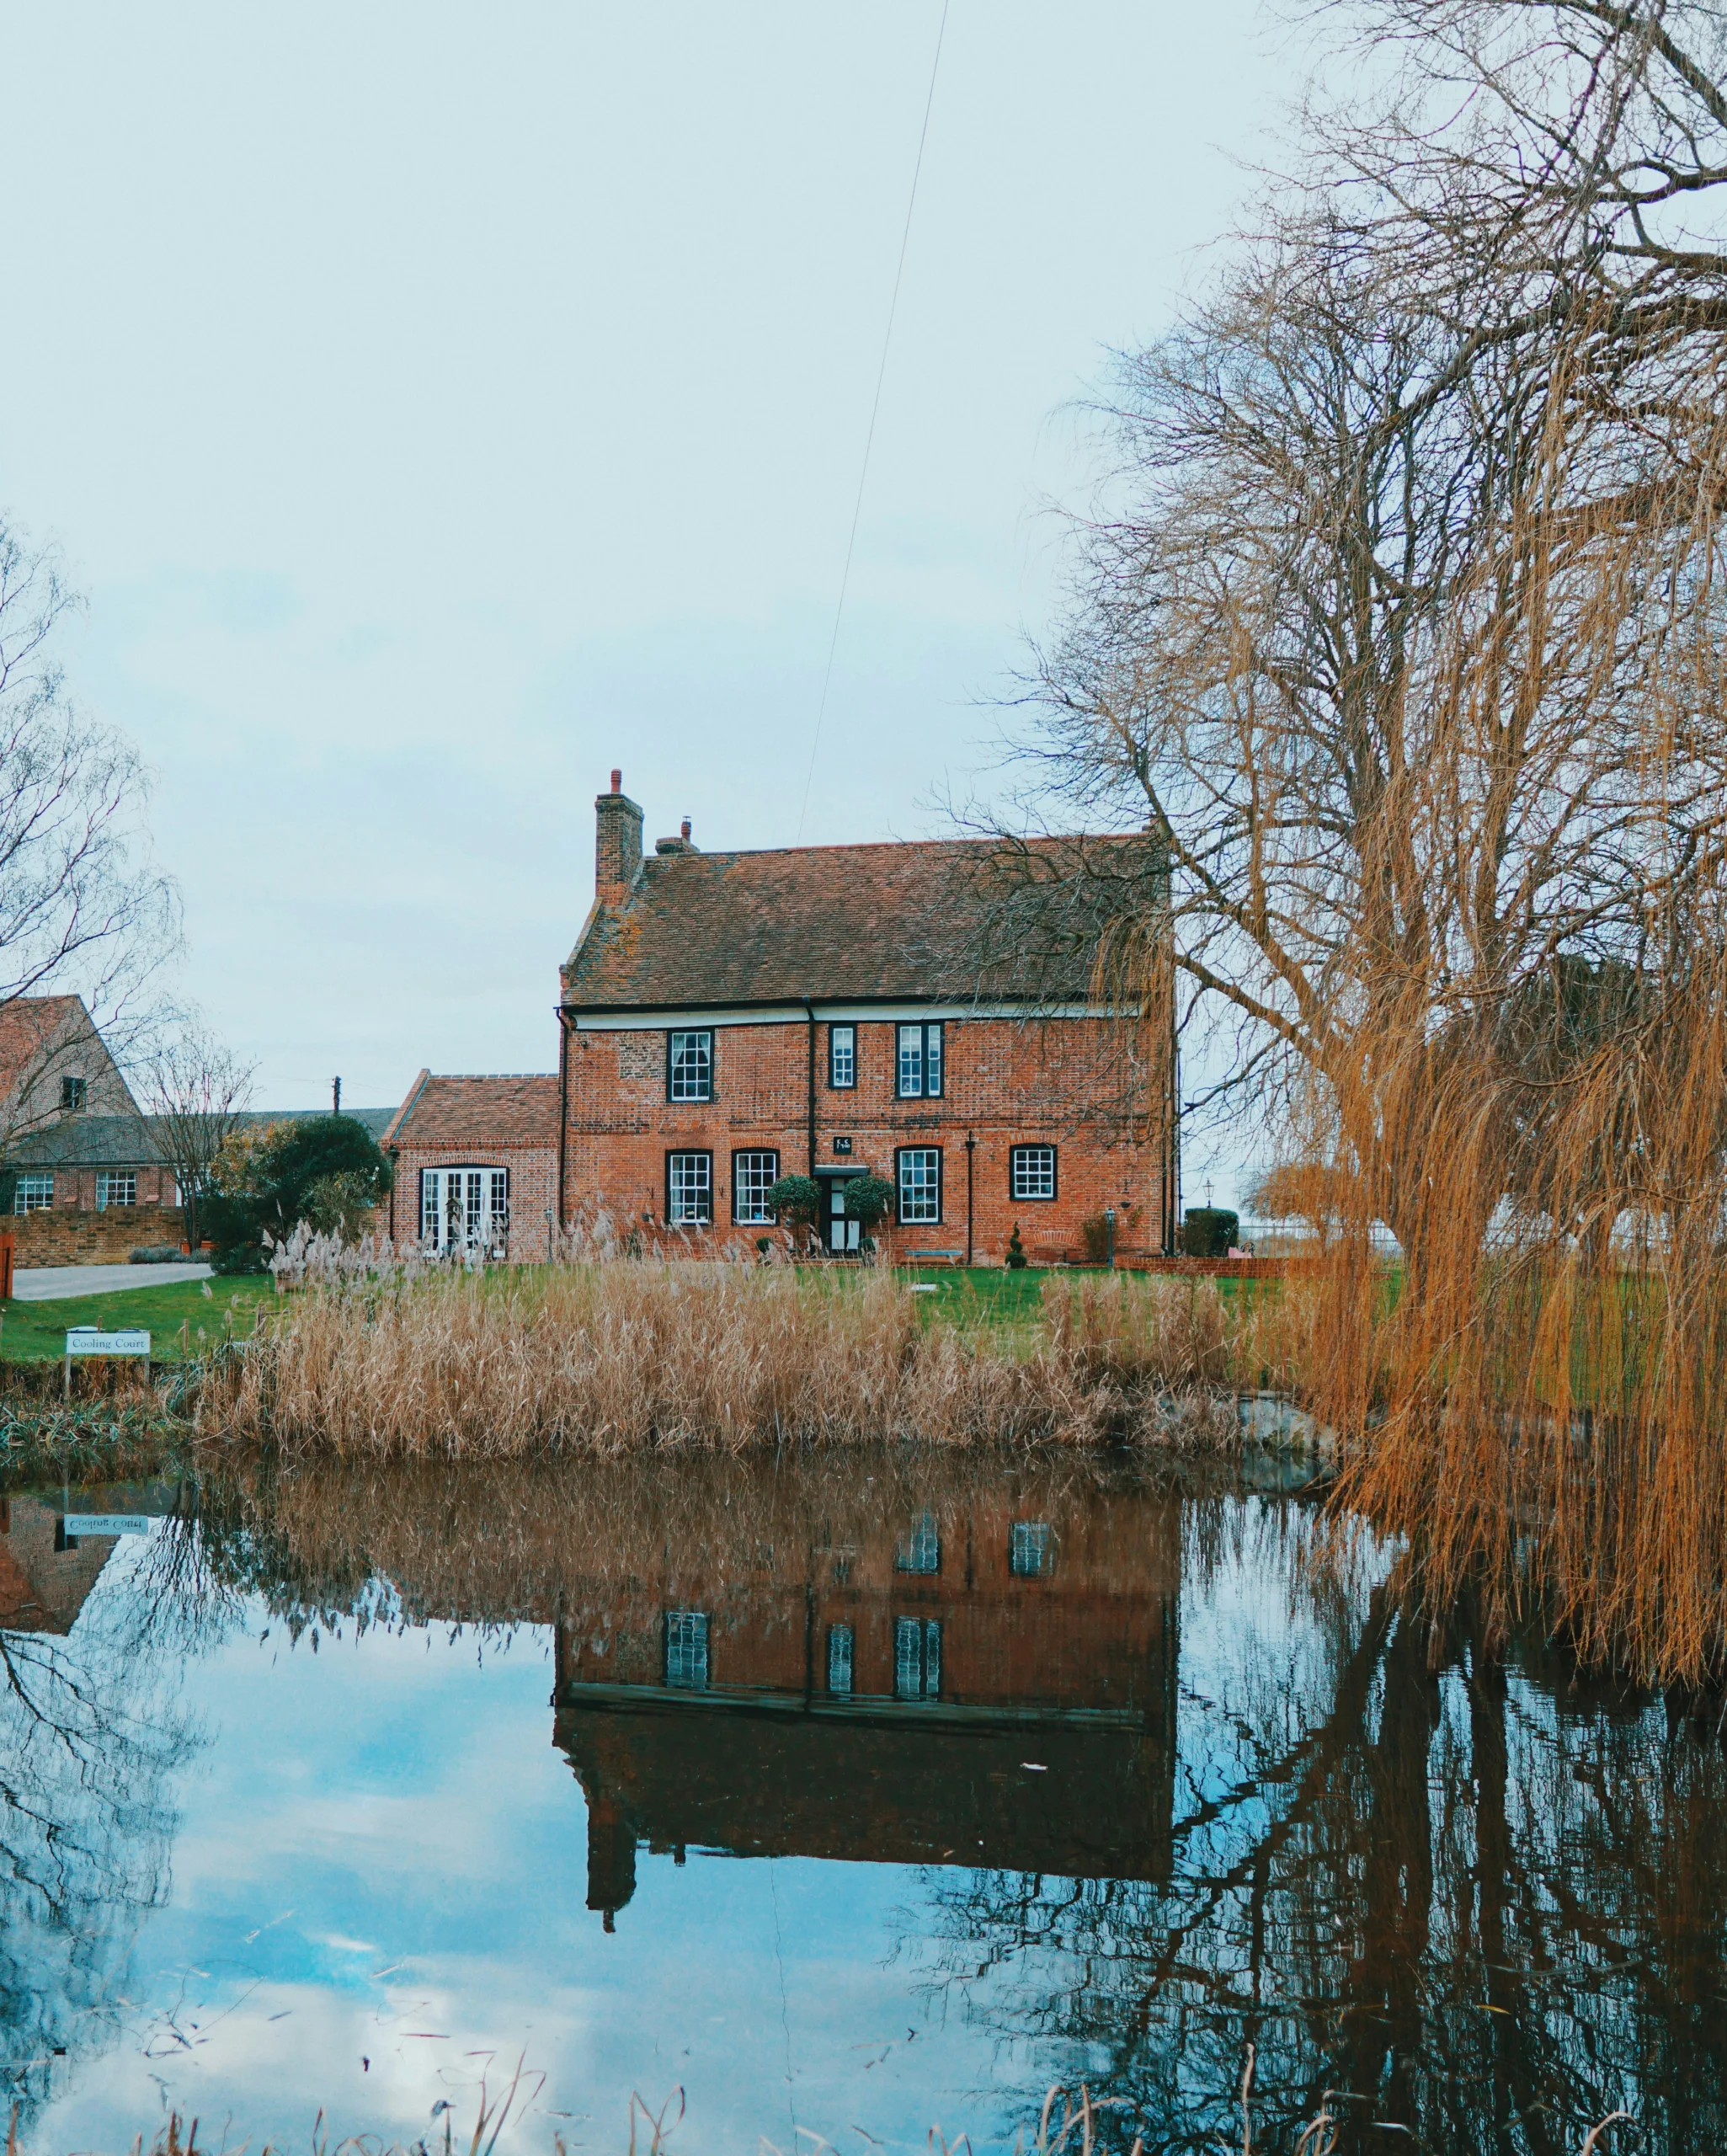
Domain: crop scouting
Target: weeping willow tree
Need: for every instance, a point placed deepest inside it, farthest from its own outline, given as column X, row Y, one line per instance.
column 1405, row 630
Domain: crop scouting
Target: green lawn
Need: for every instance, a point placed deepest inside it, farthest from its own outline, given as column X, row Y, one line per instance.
column 975, row 1295
column 989, row 1294
column 35, row 1332
column 981, row 1294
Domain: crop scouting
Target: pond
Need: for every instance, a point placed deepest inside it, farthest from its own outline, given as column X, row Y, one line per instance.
column 848, row 1799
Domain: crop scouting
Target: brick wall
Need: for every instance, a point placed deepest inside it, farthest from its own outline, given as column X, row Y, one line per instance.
column 1006, row 1083
column 64, row 1235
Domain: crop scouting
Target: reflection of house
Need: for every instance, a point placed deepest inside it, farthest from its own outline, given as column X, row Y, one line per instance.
column 984, row 1690
column 476, row 1163
column 45, row 1576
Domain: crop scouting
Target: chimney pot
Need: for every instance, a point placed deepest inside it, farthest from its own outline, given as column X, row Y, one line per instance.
column 685, row 830
column 617, row 782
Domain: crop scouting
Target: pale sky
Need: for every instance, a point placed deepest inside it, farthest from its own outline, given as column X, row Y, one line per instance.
column 440, row 405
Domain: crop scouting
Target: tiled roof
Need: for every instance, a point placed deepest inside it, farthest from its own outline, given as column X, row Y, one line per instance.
column 124, row 1141
column 919, row 921
column 86, row 1141
column 377, row 1120
column 513, row 1109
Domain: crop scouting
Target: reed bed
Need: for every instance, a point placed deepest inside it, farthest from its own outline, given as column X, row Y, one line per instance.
column 608, row 1358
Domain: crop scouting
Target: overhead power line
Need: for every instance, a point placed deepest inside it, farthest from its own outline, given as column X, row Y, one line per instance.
column 870, row 438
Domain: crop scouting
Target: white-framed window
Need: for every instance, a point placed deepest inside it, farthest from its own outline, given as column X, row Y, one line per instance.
column 753, row 1175
column 917, row 1658
column 72, row 1091
column 842, row 1057
column 842, row 1660
column 918, row 1068
column 689, row 1190
column 116, row 1186
column 1030, row 1548
column 918, row 1177
column 921, row 1549
column 686, row 1649
column 1032, row 1173
column 464, row 1209
column 33, row 1193
column 688, row 1066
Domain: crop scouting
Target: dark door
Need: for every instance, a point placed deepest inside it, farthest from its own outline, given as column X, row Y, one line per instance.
column 839, row 1234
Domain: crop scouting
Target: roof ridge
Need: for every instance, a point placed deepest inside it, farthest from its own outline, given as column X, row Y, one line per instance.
column 875, row 845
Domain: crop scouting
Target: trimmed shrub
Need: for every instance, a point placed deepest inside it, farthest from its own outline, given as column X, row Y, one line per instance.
column 1209, row 1231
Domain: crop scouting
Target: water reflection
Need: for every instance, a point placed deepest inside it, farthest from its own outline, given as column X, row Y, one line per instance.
column 992, row 1684
column 92, row 1738
column 1159, row 1778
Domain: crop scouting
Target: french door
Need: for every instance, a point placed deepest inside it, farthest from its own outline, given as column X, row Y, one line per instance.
column 464, row 1209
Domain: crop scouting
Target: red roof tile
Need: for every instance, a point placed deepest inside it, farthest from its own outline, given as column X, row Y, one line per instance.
column 518, row 1110
column 906, row 922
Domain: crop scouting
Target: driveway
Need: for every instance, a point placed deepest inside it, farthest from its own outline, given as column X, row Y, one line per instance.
column 53, row 1284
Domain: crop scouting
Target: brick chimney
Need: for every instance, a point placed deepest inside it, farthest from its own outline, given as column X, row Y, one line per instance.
column 617, row 843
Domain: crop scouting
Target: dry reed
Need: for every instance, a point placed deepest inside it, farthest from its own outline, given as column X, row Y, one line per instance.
column 601, row 1359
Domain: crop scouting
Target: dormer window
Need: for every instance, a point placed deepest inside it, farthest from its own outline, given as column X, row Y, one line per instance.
column 71, row 1095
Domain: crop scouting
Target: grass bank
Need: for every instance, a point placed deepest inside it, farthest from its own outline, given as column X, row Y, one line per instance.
column 183, row 1322
column 610, row 1358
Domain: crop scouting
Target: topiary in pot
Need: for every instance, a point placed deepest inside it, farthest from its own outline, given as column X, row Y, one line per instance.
column 797, row 1200
column 868, row 1200
column 1015, row 1251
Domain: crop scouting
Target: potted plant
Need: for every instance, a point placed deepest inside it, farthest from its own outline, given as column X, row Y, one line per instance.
column 868, row 1201
column 797, row 1201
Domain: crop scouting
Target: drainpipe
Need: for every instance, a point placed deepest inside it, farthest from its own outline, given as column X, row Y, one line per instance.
column 971, row 1148
column 563, row 1104
column 810, row 1012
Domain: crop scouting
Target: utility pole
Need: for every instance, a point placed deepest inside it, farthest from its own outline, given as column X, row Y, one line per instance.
column 335, row 1096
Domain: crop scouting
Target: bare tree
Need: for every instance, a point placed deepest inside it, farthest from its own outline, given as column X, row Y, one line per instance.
column 1405, row 625
column 83, row 908
column 195, row 1091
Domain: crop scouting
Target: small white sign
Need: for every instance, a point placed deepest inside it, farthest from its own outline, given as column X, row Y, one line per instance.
column 106, row 1524
column 86, row 1340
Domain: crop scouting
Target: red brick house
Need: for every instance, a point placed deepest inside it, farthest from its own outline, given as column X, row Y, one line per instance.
column 829, row 1011
column 475, row 1163
column 87, row 1185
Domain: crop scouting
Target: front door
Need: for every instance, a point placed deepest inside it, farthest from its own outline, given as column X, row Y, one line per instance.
column 838, row 1233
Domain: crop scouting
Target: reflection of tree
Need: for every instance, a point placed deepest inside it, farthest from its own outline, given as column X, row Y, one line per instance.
column 1403, row 1872
column 92, row 1742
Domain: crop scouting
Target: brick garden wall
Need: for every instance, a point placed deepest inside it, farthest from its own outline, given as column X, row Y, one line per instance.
column 63, row 1235
column 1006, row 1083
